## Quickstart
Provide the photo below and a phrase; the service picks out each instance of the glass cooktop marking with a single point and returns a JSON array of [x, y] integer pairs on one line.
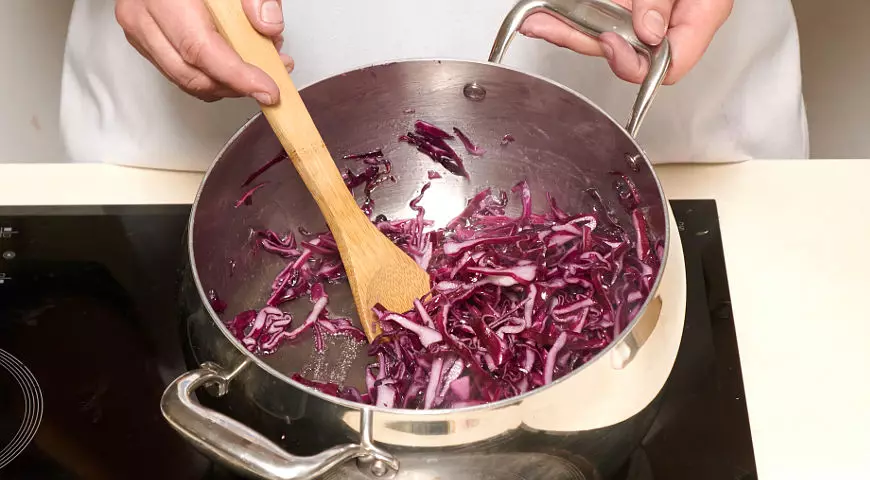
[[32, 411]]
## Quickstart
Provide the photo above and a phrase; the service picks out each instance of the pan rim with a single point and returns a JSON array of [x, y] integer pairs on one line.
[[501, 404]]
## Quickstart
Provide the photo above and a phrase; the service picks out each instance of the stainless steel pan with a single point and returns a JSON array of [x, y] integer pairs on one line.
[[564, 145]]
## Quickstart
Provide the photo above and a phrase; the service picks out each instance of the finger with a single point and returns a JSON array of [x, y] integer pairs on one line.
[[266, 16], [189, 79], [623, 59], [289, 64], [693, 25], [651, 19], [287, 60], [147, 38], [547, 27], [193, 34], [625, 62], [130, 17]]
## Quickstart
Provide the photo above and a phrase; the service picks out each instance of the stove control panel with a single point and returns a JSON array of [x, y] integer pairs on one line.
[[8, 232]]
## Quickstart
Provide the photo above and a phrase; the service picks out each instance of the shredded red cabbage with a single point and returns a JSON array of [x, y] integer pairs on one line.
[[247, 197], [365, 156], [216, 303], [431, 131], [470, 147], [371, 176], [432, 141], [517, 301], [278, 158]]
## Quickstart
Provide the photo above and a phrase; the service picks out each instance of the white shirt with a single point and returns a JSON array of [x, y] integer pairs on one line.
[[742, 101]]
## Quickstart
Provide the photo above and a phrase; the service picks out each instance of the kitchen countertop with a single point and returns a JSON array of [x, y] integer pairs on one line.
[[796, 253]]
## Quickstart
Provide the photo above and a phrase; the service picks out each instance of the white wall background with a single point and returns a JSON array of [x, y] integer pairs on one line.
[[836, 69], [32, 34], [835, 64]]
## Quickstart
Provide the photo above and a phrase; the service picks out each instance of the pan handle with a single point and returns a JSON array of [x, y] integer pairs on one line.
[[593, 17], [242, 448]]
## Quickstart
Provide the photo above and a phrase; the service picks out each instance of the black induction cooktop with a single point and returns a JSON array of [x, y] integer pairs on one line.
[[89, 340]]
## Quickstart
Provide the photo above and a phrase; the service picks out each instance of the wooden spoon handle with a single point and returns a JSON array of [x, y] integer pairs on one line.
[[289, 118]]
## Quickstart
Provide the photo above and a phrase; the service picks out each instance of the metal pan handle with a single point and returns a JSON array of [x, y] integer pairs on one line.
[[593, 17], [241, 447]]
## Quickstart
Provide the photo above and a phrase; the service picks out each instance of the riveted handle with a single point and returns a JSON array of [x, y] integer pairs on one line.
[[241, 447]]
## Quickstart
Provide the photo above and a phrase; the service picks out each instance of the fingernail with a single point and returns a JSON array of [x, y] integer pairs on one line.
[[263, 98], [608, 51], [270, 12], [655, 24]]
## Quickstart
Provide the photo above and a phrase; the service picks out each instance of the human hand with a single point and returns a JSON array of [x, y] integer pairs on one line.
[[688, 24], [181, 40]]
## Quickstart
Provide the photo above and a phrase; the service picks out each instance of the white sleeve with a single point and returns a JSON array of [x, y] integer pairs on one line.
[[117, 108], [742, 101]]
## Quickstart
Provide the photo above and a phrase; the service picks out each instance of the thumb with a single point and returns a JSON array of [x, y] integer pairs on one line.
[[266, 16], [651, 19]]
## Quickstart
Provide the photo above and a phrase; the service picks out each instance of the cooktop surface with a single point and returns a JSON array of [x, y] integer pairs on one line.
[[89, 339]]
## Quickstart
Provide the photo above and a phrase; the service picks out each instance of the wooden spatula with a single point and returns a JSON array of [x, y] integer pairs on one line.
[[377, 270]]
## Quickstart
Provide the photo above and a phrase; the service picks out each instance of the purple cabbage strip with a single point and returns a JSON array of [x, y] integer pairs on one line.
[[431, 140], [429, 130], [281, 156], [218, 305], [470, 147], [247, 197], [364, 156]]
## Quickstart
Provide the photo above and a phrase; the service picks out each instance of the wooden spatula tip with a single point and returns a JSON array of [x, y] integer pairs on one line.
[[395, 286]]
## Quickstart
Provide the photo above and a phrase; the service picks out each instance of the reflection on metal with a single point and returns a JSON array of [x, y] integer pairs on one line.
[[633, 162], [479, 466], [474, 91], [219, 389], [626, 350], [380, 460]]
